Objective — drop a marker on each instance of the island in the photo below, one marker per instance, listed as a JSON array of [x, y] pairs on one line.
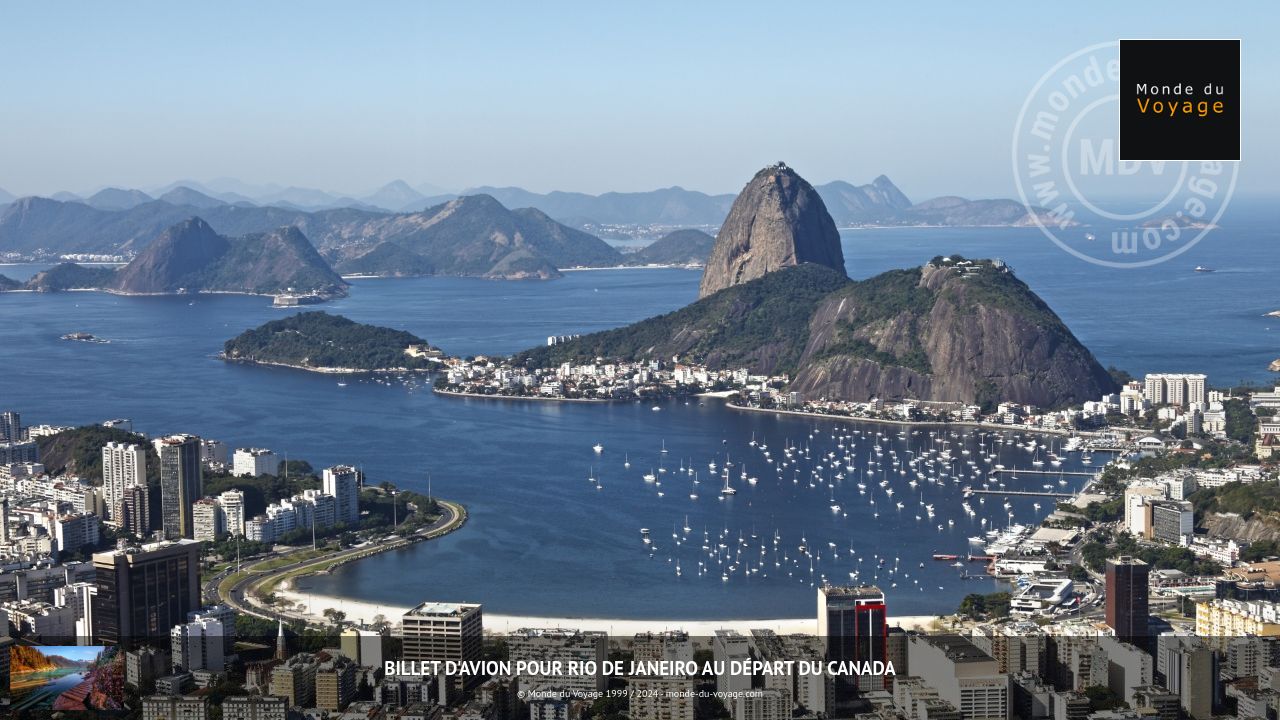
[[85, 337], [319, 342]]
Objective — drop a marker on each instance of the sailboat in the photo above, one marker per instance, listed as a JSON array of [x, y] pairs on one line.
[[727, 489]]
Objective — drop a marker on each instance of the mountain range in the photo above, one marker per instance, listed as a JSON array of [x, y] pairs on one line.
[[472, 235], [877, 203], [191, 257], [775, 298]]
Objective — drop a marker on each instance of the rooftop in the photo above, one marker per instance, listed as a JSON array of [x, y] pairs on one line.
[[956, 648], [443, 609]]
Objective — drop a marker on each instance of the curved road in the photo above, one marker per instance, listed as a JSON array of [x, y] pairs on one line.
[[236, 595]]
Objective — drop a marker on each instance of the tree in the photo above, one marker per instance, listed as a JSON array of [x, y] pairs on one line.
[[335, 616]]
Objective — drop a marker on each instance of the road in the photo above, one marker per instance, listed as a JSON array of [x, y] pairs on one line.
[[236, 595]]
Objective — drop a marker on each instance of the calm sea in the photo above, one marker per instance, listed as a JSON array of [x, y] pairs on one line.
[[542, 539]]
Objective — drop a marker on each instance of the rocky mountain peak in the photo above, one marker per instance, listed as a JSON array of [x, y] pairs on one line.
[[777, 221]]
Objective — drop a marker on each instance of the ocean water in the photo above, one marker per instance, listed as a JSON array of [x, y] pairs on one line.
[[542, 540]]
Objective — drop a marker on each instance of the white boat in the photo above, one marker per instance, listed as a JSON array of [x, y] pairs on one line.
[[598, 448]]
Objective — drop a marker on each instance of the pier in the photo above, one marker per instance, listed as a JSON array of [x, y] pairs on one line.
[[1055, 473], [1027, 493]]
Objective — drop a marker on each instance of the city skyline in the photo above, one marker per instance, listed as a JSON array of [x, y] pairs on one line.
[[609, 100]]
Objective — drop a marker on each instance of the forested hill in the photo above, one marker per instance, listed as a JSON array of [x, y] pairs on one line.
[[320, 341]]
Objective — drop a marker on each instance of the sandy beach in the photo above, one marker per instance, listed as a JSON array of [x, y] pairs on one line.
[[359, 611]]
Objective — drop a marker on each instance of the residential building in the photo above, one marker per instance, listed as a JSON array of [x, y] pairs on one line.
[[252, 462], [342, 482], [231, 502], [294, 680], [255, 707], [175, 707], [962, 674], [335, 683], [124, 465], [143, 665], [181, 483], [564, 646], [1220, 620], [1173, 521], [199, 645], [206, 520], [769, 704], [729, 647], [661, 698], [135, 511]]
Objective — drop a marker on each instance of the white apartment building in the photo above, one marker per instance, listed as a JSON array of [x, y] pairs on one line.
[[206, 519], [124, 465], [252, 462], [1179, 389], [231, 502], [342, 482]]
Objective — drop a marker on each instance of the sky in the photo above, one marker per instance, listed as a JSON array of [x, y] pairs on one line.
[[82, 653], [589, 97]]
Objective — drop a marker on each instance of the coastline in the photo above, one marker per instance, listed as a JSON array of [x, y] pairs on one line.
[[660, 266], [363, 611], [539, 398], [322, 370], [918, 423]]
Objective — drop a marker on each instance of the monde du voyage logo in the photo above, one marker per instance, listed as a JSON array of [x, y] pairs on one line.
[[1124, 152]]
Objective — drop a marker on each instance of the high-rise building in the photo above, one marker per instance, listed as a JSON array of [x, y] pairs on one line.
[[1172, 521], [206, 520], [1181, 389], [144, 591], [232, 504], [135, 510], [443, 632], [341, 481], [1127, 611], [727, 648], [853, 621], [124, 465], [181, 483], [11, 426], [199, 645]]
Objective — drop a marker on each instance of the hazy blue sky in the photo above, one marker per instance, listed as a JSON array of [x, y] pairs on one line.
[[590, 96]]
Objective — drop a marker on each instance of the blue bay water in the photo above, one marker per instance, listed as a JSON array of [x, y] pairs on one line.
[[542, 540]]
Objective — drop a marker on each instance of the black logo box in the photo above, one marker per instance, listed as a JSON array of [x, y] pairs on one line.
[[1183, 65]]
